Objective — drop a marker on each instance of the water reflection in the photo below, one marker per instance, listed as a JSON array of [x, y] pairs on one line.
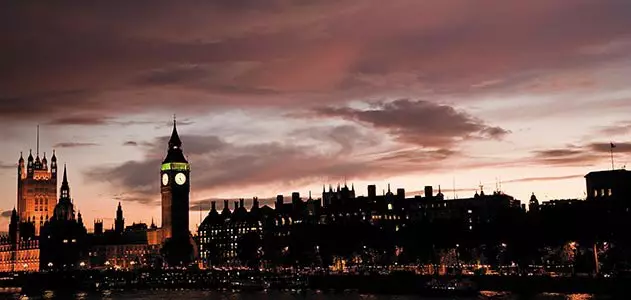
[[273, 295]]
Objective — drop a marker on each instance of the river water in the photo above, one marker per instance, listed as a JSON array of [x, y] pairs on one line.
[[195, 295]]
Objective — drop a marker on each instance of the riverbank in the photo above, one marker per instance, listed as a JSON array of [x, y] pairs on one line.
[[399, 283]]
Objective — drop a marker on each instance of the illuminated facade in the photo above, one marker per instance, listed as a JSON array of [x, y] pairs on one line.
[[18, 253], [37, 188], [220, 234]]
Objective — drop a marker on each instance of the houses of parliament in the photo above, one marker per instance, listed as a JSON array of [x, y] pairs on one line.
[[47, 231]]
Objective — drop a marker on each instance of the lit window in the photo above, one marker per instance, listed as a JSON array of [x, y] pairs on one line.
[[389, 206]]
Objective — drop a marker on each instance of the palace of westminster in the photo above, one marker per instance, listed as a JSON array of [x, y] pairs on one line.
[[47, 232]]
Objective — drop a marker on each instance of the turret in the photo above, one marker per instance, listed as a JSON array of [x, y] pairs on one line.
[[120, 221], [38, 163], [20, 167], [29, 164], [53, 165], [79, 219], [44, 162], [14, 226]]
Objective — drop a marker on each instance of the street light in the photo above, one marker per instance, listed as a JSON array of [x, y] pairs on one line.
[[82, 264]]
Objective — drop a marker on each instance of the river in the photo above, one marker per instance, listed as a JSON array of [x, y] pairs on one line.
[[195, 295]]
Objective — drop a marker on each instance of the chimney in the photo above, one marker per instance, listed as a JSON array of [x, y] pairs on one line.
[[225, 204], [236, 205], [401, 193], [372, 191], [255, 202], [429, 191], [295, 198], [212, 205], [241, 202], [279, 201]]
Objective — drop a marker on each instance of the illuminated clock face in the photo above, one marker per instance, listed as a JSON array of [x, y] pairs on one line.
[[180, 178], [165, 179]]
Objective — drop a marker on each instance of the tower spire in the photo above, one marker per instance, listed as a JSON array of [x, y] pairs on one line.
[[65, 180], [174, 141]]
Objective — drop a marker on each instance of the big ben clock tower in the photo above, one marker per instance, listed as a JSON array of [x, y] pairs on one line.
[[175, 188]]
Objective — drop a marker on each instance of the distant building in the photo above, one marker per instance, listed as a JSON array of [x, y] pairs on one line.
[[614, 184], [220, 235], [18, 253], [37, 188], [63, 237]]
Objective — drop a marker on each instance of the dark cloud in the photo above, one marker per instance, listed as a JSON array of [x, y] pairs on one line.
[[606, 147], [130, 143], [419, 122], [80, 120], [74, 145], [101, 58], [565, 157], [580, 155], [6, 214]]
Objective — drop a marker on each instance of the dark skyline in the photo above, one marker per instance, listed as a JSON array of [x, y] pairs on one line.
[[287, 96]]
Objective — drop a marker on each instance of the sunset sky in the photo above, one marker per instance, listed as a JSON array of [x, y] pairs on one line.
[[278, 96]]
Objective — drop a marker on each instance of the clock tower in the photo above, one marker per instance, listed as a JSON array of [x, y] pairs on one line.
[[175, 188]]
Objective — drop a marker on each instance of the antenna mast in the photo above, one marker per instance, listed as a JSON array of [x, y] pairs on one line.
[[37, 150]]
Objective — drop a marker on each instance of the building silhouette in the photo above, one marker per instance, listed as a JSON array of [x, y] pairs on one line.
[[125, 248], [119, 222], [63, 236], [608, 185]]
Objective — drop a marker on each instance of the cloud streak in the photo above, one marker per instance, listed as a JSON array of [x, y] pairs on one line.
[[224, 165], [74, 145]]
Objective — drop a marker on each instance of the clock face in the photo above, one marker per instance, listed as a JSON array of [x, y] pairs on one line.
[[165, 179], [180, 178]]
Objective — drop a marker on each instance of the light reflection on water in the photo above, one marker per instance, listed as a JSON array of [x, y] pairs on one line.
[[272, 295]]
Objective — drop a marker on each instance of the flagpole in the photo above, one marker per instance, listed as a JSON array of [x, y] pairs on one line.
[[613, 168]]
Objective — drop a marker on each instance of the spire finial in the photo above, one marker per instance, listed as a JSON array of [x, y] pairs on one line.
[[174, 119], [65, 180]]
